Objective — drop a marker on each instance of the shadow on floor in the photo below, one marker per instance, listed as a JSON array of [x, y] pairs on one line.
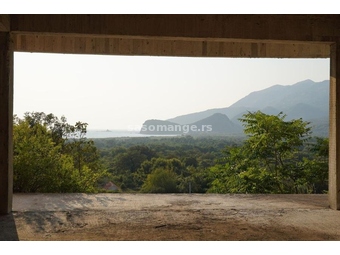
[[8, 229]]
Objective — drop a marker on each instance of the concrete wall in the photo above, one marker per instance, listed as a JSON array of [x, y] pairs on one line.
[[6, 123], [166, 47], [303, 28]]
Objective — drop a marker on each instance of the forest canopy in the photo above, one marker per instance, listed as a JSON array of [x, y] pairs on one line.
[[276, 156]]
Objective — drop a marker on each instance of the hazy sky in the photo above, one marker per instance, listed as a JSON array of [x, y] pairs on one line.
[[114, 92]]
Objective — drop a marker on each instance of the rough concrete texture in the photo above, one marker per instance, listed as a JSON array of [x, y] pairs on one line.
[[170, 217]]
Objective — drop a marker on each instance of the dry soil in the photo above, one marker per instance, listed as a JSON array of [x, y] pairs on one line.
[[170, 217]]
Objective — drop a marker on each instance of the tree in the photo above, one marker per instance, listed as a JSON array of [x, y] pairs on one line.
[[36, 158], [148, 166], [238, 172], [269, 160], [316, 167], [196, 178], [60, 130], [43, 161], [124, 166], [275, 142], [161, 180]]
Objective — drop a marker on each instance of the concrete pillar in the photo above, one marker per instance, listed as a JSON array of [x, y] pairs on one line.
[[6, 123], [334, 129]]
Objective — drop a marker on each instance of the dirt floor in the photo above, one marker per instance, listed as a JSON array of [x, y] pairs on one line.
[[170, 217]]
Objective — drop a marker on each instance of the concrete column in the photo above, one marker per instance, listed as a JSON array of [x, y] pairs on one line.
[[6, 123], [334, 129]]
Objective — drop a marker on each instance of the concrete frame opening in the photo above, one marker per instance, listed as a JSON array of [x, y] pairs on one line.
[[259, 36]]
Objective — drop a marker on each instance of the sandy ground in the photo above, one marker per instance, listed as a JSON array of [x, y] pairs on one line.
[[170, 217]]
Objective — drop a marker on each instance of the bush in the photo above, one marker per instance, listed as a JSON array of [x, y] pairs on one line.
[[160, 181]]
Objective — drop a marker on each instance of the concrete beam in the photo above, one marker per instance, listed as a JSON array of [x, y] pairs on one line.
[[334, 128], [165, 47], [4, 22], [6, 123], [251, 28]]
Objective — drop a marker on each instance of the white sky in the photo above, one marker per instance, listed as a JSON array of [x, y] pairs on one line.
[[114, 92]]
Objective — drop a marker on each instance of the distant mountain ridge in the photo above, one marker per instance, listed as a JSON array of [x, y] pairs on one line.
[[284, 97], [216, 124], [307, 99]]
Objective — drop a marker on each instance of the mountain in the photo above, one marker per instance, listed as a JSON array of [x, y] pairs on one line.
[[161, 127], [217, 123], [305, 111], [307, 99], [320, 127], [273, 99], [282, 97], [193, 117]]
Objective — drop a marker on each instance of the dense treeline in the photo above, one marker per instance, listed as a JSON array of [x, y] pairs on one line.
[[147, 163], [277, 156]]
